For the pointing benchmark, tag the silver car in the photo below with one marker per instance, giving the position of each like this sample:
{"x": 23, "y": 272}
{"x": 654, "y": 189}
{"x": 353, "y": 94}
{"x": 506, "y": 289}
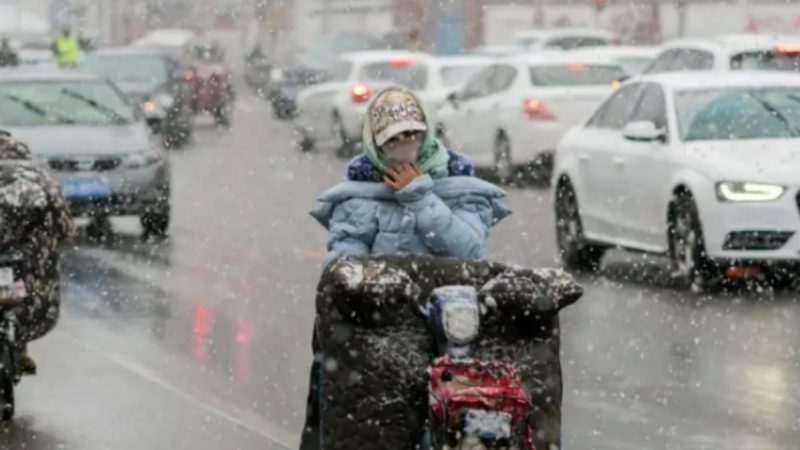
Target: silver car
{"x": 93, "y": 139}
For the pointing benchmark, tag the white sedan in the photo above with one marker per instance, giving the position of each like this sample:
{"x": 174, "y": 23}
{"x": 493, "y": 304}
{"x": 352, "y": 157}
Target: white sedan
{"x": 333, "y": 112}
{"x": 703, "y": 169}
{"x": 513, "y": 113}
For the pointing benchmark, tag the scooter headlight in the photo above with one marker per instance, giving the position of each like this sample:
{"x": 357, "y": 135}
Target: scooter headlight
{"x": 459, "y": 313}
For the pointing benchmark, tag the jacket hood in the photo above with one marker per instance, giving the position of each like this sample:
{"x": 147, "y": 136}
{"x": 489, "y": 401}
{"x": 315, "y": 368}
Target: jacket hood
{"x": 445, "y": 188}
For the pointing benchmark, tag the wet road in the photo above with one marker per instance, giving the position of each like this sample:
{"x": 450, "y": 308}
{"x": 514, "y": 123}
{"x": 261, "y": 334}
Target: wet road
{"x": 202, "y": 342}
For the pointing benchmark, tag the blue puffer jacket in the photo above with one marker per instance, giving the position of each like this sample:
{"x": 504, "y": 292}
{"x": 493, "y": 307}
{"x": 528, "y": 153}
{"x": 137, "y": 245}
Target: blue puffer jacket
{"x": 442, "y": 217}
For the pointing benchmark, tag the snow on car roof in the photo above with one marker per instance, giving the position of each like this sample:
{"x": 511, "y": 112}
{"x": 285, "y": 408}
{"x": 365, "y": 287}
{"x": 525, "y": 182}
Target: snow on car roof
{"x": 618, "y": 51}
{"x": 701, "y": 80}
{"x": 554, "y": 58}
{"x": 126, "y": 51}
{"x": 736, "y": 42}
{"x": 385, "y": 55}
{"x": 37, "y": 73}
{"x": 468, "y": 60}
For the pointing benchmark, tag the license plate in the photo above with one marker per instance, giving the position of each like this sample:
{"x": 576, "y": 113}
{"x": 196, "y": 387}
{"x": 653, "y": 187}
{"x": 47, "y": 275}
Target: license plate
{"x": 86, "y": 187}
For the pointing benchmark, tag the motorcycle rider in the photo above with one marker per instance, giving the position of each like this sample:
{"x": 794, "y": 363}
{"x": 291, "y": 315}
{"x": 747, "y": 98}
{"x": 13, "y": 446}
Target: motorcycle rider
{"x": 407, "y": 194}
{"x": 37, "y": 221}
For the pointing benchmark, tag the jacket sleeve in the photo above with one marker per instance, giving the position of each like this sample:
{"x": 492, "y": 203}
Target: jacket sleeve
{"x": 459, "y": 231}
{"x": 352, "y": 230}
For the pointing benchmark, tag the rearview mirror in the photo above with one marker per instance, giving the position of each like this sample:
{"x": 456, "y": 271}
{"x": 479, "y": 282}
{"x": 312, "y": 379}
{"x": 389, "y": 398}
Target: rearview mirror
{"x": 643, "y": 131}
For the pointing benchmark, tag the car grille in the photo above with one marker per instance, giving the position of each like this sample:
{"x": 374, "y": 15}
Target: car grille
{"x": 84, "y": 164}
{"x": 756, "y": 240}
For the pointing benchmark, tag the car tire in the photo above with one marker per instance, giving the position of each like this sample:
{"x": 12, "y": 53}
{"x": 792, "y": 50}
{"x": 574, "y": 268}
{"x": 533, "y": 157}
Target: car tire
{"x": 504, "y": 169}
{"x": 7, "y": 381}
{"x": 155, "y": 223}
{"x": 302, "y": 141}
{"x": 576, "y": 253}
{"x": 345, "y": 148}
{"x": 690, "y": 266}
{"x": 222, "y": 115}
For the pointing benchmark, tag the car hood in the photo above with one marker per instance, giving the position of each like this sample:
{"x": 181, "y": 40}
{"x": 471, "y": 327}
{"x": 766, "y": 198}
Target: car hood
{"x": 762, "y": 160}
{"x": 83, "y": 140}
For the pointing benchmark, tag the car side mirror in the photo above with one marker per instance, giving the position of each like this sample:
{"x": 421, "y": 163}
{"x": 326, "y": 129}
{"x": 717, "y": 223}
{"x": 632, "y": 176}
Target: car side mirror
{"x": 453, "y": 98}
{"x": 643, "y": 131}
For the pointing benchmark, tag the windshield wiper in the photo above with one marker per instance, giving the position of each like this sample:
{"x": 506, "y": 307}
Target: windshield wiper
{"x": 33, "y": 107}
{"x": 115, "y": 116}
{"x": 794, "y": 130}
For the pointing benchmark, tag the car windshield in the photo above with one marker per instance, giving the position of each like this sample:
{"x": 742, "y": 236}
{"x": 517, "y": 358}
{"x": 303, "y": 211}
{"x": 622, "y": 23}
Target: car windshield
{"x": 210, "y": 54}
{"x": 453, "y": 76}
{"x": 31, "y": 103}
{"x": 575, "y": 75}
{"x": 129, "y": 68}
{"x": 633, "y": 65}
{"x": 738, "y": 113}
{"x": 404, "y": 73}
{"x": 767, "y": 60}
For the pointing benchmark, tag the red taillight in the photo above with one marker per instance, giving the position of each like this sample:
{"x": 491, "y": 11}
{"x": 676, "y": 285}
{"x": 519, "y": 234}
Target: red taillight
{"x": 788, "y": 49}
{"x": 401, "y": 62}
{"x": 361, "y": 93}
{"x": 188, "y": 75}
{"x": 576, "y": 67}
{"x": 535, "y": 109}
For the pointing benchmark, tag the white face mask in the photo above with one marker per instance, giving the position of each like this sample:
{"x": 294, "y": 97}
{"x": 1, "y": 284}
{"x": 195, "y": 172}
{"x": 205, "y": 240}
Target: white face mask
{"x": 403, "y": 149}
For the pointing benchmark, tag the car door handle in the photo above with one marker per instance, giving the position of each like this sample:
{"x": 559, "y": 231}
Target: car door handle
{"x": 583, "y": 157}
{"x": 618, "y": 161}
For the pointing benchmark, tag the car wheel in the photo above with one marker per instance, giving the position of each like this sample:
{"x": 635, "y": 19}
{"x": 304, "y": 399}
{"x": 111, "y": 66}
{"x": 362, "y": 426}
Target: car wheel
{"x": 344, "y": 145}
{"x": 155, "y": 223}
{"x": 6, "y": 382}
{"x": 576, "y": 253}
{"x": 691, "y": 268}
{"x": 302, "y": 141}
{"x": 222, "y": 115}
{"x": 503, "y": 165}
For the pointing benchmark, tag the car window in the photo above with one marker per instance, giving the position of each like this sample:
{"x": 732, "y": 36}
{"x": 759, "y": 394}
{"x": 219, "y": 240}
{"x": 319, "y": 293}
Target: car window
{"x": 663, "y": 63}
{"x": 572, "y": 42}
{"x": 405, "y": 73}
{"x": 766, "y": 60}
{"x": 652, "y": 106}
{"x": 458, "y": 75}
{"x": 617, "y": 110}
{"x": 503, "y": 78}
{"x": 480, "y": 84}
{"x": 35, "y": 103}
{"x": 145, "y": 69}
{"x": 738, "y": 113}
{"x": 688, "y": 59}
{"x": 575, "y": 75}
{"x": 340, "y": 71}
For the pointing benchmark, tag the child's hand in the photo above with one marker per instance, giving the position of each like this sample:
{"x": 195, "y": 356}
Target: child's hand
{"x": 401, "y": 175}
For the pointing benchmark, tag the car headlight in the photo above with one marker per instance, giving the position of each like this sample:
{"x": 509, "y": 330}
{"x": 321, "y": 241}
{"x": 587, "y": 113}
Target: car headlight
{"x": 142, "y": 159}
{"x": 729, "y": 191}
{"x": 276, "y": 75}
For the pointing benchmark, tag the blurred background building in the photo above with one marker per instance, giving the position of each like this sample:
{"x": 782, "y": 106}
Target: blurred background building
{"x": 443, "y": 26}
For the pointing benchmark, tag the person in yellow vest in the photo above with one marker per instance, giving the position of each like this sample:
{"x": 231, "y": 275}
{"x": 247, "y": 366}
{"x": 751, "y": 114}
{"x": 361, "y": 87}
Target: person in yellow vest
{"x": 66, "y": 48}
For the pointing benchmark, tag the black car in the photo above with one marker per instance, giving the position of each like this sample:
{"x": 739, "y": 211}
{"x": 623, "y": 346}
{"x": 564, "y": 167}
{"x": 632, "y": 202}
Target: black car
{"x": 287, "y": 81}
{"x": 155, "y": 81}
{"x": 285, "y": 84}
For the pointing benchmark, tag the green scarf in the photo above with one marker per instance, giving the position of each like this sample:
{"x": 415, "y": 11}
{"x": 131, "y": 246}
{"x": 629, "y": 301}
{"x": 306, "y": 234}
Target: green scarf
{"x": 432, "y": 157}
